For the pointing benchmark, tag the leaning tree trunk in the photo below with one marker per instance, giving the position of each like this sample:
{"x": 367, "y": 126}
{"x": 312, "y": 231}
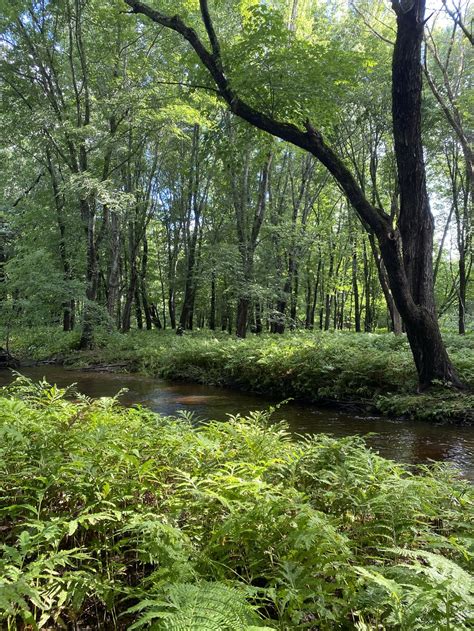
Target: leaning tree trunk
{"x": 416, "y": 223}
{"x": 395, "y": 319}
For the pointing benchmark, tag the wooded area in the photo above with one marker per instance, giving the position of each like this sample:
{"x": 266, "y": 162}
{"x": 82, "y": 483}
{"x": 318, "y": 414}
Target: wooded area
{"x": 139, "y": 190}
{"x": 177, "y": 175}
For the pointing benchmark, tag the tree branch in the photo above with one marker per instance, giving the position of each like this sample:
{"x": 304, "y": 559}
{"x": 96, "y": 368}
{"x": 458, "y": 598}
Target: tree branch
{"x": 310, "y": 140}
{"x": 28, "y": 190}
{"x": 211, "y": 33}
{"x": 371, "y": 28}
{"x": 456, "y": 17}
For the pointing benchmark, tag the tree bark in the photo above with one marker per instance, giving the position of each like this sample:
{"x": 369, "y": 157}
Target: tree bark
{"x": 416, "y": 223}
{"x": 242, "y": 316}
{"x": 143, "y": 287}
{"x": 312, "y": 309}
{"x": 88, "y": 214}
{"x": 113, "y": 280}
{"x": 355, "y": 288}
{"x": 194, "y": 211}
{"x": 212, "y": 314}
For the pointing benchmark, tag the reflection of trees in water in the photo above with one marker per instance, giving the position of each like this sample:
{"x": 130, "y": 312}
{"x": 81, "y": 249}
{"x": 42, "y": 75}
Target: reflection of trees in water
{"x": 445, "y": 446}
{"x": 428, "y": 447}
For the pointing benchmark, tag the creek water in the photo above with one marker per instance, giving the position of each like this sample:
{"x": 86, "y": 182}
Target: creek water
{"x": 405, "y": 441}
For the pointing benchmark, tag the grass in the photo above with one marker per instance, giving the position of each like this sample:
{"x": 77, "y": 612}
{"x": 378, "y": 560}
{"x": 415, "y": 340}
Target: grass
{"x": 116, "y": 518}
{"x": 374, "y": 370}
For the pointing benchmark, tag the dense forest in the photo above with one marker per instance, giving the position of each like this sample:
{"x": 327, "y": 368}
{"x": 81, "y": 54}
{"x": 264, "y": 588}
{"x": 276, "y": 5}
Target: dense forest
{"x": 132, "y": 197}
{"x": 176, "y": 176}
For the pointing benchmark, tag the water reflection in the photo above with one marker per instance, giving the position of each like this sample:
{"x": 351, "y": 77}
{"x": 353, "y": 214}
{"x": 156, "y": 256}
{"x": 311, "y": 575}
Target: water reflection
{"x": 414, "y": 442}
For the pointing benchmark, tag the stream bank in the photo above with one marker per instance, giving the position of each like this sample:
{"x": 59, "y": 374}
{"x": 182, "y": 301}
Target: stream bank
{"x": 366, "y": 372}
{"x": 415, "y": 442}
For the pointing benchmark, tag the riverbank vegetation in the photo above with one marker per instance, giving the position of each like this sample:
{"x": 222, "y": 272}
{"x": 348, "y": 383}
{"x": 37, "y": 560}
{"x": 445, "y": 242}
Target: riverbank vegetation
{"x": 118, "y": 518}
{"x": 373, "y": 371}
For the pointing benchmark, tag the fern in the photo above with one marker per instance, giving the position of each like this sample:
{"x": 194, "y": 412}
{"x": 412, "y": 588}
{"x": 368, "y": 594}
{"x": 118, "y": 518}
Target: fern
{"x": 198, "y": 607}
{"x": 221, "y": 526}
{"x": 431, "y": 592}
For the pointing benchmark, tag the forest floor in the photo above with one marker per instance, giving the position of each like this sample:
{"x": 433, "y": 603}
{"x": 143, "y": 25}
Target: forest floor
{"x": 118, "y": 518}
{"x": 370, "y": 371}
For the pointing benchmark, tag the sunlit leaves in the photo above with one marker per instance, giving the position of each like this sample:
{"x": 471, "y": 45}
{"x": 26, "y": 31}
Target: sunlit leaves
{"x": 288, "y": 76}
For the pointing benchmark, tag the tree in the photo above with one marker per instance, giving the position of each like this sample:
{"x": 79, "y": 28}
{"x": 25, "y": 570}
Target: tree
{"x": 406, "y": 249}
{"x": 446, "y": 77}
{"x": 247, "y": 174}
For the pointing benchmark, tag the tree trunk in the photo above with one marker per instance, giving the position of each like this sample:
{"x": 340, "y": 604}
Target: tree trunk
{"x": 187, "y": 310}
{"x": 327, "y": 312}
{"x": 129, "y": 298}
{"x": 172, "y": 307}
{"x": 415, "y": 301}
{"x": 143, "y": 286}
{"x": 113, "y": 281}
{"x": 342, "y": 305}
{"x": 258, "y": 318}
{"x": 355, "y": 288}
{"x": 278, "y": 325}
{"x": 315, "y": 299}
{"x": 462, "y": 295}
{"x": 242, "y": 316}
{"x": 133, "y": 280}
{"x": 155, "y": 316}
{"x": 192, "y": 231}
{"x": 395, "y": 319}
{"x": 68, "y": 316}
{"x": 369, "y": 316}
{"x": 138, "y": 309}
{"x": 163, "y": 296}
{"x": 212, "y": 314}
{"x": 295, "y": 293}
{"x": 86, "y": 340}
{"x": 68, "y": 321}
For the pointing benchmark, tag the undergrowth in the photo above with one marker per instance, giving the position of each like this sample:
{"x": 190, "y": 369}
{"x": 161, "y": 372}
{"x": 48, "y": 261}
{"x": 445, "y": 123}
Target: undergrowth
{"x": 372, "y": 369}
{"x": 116, "y": 518}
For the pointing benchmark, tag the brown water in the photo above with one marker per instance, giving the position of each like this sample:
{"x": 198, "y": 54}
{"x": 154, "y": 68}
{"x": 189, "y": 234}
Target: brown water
{"x": 405, "y": 441}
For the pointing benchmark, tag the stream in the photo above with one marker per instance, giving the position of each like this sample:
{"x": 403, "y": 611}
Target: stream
{"x": 405, "y": 441}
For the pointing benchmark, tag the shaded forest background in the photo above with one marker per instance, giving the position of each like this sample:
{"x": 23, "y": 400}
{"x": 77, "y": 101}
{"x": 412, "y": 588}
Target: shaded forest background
{"x": 131, "y": 198}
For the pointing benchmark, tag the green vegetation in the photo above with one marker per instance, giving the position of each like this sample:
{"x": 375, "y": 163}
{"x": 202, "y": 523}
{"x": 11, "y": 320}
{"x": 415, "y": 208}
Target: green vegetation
{"x": 119, "y": 518}
{"x": 373, "y": 370}
{"x": 297, "y": 169}
{"x": 136, "y": 192}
